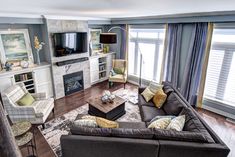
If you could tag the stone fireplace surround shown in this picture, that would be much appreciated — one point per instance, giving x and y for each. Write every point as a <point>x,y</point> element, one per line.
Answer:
<point>56,26</point>
<point>60,71</point>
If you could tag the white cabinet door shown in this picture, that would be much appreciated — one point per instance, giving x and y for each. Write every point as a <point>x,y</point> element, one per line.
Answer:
<point>43,82</point>
<point>94,70</point>
<point>6,82</point>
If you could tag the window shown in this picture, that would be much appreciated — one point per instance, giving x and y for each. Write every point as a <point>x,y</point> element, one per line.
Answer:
<point>149,43</point>
<point>220,79</point>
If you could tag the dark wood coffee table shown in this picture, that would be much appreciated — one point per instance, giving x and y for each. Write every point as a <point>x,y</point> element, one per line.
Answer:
<point>111,111</point>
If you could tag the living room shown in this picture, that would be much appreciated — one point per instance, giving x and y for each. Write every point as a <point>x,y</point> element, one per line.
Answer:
<point>109,78</point>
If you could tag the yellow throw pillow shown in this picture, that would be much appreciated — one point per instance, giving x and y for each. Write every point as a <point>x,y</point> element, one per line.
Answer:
<point>26,100</point>
<point>147,94</point>
<point>161,123</point>
<point>105,123</point>
<point>159,98</point>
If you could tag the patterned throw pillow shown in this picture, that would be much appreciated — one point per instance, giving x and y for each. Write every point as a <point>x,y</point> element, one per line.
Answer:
<point>154,87</point>
<point>177,123</point>
<point>161,123</point>
<point>26,100</point>
<point>159,117</point>
<point>105,123</point>
<point>89,117</point>
<point>159,98</point>
<point>86,123</point>
<point>147,94</point>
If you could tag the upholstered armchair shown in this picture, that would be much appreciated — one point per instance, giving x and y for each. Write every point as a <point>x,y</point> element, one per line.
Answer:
<point>36,113</point>
<point>118,77</point>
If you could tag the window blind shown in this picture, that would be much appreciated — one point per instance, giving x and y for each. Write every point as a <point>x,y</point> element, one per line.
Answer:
<point>220,79</point>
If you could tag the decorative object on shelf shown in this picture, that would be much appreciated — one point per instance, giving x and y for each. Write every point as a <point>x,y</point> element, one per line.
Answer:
<point>111,38</point>
<point>24,64</point>
<point>15,46</point>
<point>95,44</point>
<point>107,97</point>
<point>8,66</point>
<point>38,46</point>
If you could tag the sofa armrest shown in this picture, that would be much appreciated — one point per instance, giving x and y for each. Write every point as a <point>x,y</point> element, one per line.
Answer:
<point>90,146</point>
<point>39,96</point>
<point>141,89</point>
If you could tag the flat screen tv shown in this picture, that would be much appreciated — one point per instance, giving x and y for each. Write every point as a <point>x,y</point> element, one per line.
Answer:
<point>70,43</point>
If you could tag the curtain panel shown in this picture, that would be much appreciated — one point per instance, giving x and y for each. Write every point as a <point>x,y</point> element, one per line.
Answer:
<point>172,53</point>
<point>189,84</point>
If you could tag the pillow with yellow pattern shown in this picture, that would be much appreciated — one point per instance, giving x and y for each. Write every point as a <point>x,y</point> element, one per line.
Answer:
<point>105,123</point>
<point>161,123</point>
<point>159,98</point>
<point>147,94</point>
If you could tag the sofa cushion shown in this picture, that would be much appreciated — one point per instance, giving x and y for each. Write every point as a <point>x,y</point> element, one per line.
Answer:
<point>173,104</point>
<point>148,113</point>
<point>113,132</point>
<point>162,134</point>
<point>193,124</point>
<point>132,125</point>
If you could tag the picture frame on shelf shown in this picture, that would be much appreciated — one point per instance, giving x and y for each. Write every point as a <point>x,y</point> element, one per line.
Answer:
<point>94,44</point>
<point>15,46</point>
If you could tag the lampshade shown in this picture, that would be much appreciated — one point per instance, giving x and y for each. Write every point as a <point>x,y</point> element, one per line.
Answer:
<point>108,38</point>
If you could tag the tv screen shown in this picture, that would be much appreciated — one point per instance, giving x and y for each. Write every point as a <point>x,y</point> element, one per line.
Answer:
<point>70,43</point>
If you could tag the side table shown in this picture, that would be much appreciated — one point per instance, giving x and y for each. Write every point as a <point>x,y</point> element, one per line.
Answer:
<point>23,136</point>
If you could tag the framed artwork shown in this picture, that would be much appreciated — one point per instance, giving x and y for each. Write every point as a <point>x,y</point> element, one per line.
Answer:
<point>15,46</point>
<point>95,40</point>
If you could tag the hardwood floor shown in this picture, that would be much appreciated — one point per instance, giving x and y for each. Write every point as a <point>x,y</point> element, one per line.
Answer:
<point>223,128</point>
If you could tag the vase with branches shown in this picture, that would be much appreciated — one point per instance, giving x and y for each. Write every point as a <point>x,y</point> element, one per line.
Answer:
<point>38,46</point>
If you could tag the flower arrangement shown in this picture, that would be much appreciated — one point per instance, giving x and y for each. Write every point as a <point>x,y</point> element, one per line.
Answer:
<point>38,46</point>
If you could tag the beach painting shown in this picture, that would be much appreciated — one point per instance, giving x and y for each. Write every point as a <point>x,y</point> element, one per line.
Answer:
<point>15,45</point>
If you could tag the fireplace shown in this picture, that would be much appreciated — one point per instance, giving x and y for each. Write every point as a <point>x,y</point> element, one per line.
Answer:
<point>73,82</point>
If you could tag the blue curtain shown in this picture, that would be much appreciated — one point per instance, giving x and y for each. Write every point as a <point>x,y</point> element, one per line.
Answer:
<point>193,68</point>
<point>172,52</point>
<point>189,84</point>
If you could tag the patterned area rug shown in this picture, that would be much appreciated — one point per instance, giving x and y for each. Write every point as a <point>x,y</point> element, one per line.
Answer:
<point>60,126</point>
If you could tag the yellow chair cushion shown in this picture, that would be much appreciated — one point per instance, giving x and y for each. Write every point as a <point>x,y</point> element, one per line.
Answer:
<point>147,94</point>
<point>105,123</point>
<point>159,98</point>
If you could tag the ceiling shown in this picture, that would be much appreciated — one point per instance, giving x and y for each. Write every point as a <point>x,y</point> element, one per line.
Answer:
<point>111,8</point>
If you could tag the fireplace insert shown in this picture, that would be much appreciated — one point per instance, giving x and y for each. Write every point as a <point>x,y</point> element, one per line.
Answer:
<point>73,82</point>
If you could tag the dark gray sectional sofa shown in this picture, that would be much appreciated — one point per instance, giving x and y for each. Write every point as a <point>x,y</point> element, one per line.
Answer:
<point>134,139</point>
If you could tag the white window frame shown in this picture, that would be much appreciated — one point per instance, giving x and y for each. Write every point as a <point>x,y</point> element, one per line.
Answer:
<point>155,41</point>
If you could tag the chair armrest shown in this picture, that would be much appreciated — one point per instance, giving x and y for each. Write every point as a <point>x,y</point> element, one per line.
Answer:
<point>39,96</point>
<point>24,109</point>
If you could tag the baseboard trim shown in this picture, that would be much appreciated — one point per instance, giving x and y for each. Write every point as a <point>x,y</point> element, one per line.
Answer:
<point>225,114</point>
<point>230,120</point>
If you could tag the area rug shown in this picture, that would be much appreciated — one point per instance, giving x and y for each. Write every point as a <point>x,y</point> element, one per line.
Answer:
<point>60,126</point>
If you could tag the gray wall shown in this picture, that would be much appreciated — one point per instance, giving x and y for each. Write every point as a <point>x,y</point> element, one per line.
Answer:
<point>34,30</point>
